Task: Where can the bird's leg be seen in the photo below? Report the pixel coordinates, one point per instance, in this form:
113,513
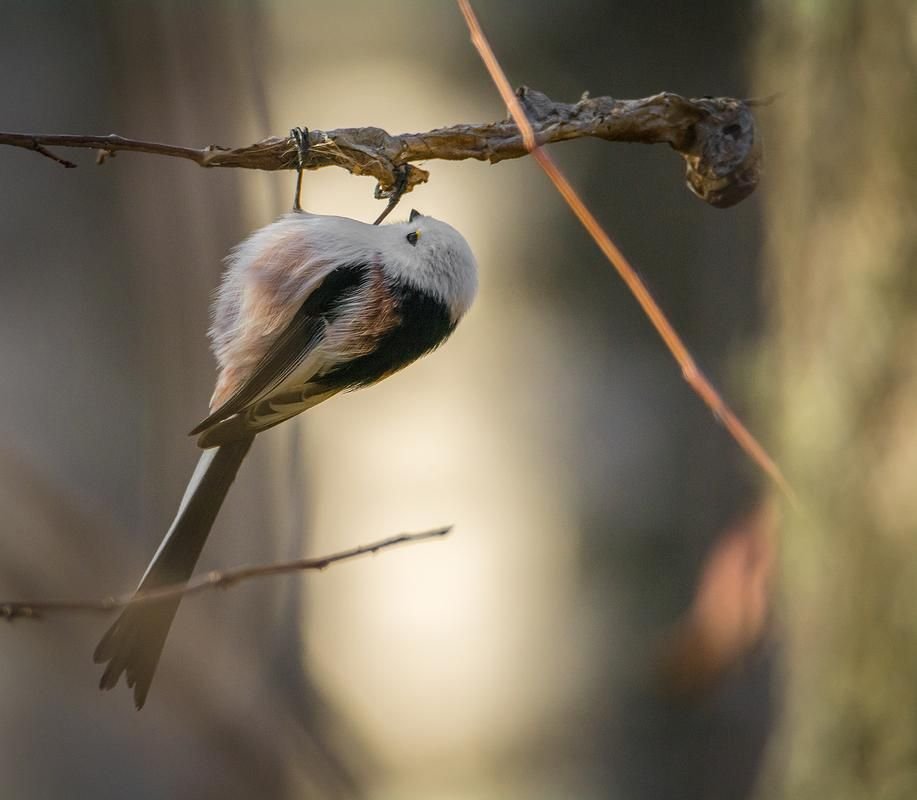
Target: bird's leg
395,193
301,137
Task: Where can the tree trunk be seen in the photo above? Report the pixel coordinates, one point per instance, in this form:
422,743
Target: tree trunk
842,223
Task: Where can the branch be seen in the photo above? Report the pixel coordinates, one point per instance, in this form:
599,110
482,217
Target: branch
715,136
20,609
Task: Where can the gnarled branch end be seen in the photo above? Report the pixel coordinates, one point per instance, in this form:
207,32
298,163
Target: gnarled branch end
723,159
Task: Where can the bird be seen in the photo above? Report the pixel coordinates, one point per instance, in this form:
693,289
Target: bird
309,306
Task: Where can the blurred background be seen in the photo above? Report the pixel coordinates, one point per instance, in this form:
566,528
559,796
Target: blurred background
599,623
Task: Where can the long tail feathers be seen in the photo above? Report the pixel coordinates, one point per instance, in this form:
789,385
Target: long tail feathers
133,644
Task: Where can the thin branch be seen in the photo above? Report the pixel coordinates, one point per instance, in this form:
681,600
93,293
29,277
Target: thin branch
21,609
715,136
33,145
673,341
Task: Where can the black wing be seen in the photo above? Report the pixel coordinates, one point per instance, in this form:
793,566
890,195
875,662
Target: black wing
294,343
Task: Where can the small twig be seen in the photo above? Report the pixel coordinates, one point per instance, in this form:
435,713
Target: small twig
767,100
33,145
715,136
677,347
20,609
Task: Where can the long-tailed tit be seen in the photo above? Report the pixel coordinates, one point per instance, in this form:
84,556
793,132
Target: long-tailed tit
309,306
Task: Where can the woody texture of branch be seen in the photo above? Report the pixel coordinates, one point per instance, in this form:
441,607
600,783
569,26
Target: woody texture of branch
216,579
716,137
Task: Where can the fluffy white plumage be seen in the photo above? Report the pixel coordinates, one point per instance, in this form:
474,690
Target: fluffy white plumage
270,274
291,267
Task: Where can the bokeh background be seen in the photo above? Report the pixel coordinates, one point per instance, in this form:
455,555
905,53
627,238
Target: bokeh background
598,623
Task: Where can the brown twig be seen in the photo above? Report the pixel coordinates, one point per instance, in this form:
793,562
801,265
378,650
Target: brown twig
673,341
715,136
21,609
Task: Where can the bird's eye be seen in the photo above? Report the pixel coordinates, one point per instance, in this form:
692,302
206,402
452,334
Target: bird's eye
412,238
